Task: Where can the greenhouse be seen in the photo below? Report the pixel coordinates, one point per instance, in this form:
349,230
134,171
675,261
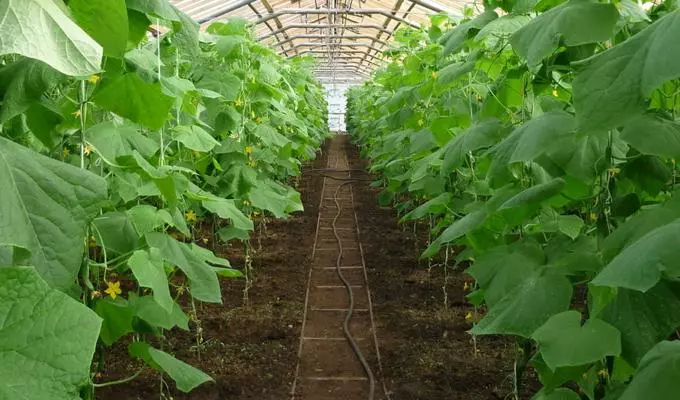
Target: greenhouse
339,200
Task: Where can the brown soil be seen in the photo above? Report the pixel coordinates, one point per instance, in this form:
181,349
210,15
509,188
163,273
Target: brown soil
250,351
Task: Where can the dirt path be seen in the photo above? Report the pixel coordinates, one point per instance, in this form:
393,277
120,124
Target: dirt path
329,367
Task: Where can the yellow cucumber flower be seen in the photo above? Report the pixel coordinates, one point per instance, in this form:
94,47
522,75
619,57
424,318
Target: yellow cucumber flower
190,216
113,289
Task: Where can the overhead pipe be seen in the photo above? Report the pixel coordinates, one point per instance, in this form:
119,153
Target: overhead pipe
338,51
314,36
336,45
319,26
342,57
334,11
225,10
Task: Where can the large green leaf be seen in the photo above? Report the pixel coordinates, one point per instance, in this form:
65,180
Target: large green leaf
611,87
502,28
275,198
541,295
522,206
653,135
575,22
535,137
224,83
47,339
557,394
157,8
639,225
453,39
154,314
436,205
530,140
42,119
111,141
146,218
643,318
580,155
186,34
270,136
202,278
498,279
455,70
185,376
462,226
478,136
114,231
564,342
41,30
641,265
45,206
106,21
148,268
224,208
194,137
554,379
22,84
657,376
130,97
117,316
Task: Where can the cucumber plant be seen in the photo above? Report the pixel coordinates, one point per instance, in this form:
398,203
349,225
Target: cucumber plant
122,126
542,143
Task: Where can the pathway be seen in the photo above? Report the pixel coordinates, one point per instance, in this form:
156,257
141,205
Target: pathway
328,368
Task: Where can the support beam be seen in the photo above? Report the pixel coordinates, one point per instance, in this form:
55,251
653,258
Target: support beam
338,51
334,51
324,60
335,45
335,11
343,66
343,70
277,21
313,36
396,8
224,11
430,6
269,27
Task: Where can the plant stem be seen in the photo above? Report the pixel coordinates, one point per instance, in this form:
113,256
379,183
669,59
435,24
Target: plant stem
119,381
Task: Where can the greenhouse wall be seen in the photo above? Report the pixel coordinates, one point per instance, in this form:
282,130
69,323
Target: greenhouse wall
335,95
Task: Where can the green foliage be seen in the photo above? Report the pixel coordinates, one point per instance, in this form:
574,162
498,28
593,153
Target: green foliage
544,145
119,155
47,338
40,29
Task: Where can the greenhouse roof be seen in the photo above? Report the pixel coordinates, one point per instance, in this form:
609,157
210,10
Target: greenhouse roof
347,36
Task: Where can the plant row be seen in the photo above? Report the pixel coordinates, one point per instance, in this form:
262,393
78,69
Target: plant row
538,144
127,133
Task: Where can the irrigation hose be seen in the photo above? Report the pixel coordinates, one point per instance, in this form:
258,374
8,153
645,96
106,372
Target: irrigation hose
348,287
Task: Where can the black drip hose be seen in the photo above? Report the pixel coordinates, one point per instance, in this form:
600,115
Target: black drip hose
350,311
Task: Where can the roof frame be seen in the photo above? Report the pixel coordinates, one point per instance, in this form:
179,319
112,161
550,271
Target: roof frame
355,31
321,36
321,26
335,12
221,12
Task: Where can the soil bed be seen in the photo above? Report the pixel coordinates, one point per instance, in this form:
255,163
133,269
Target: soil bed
250,351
